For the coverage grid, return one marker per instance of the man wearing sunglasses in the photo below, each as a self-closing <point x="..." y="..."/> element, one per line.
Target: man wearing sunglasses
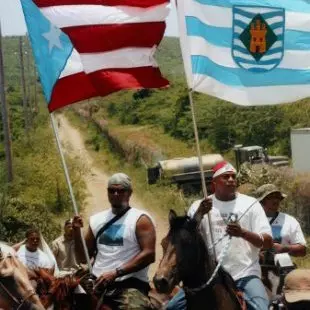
<point x="122" y="251"/>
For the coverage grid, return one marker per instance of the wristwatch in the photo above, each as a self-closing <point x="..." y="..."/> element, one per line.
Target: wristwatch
<point x="119" y="272"/>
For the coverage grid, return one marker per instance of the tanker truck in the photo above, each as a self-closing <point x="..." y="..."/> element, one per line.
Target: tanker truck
<point x="185" y="171"/>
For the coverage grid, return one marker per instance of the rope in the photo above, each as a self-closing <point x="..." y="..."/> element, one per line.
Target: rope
<point x="225" y="235"/>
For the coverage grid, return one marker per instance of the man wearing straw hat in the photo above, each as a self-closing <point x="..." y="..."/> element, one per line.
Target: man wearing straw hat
<point x="286" y="231"/>
<point x="243" y="218"/>
<point x="121" y="240"/>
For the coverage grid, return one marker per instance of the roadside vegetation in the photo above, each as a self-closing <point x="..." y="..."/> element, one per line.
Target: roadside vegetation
<point x="38" y="195"/>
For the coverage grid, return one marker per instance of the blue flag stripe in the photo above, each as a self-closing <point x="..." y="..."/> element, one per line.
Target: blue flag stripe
<point x="221" y="36"/>
<point x="289" y="5"/>
<point x="239" y="77"/>
<point x="50" y="63"/>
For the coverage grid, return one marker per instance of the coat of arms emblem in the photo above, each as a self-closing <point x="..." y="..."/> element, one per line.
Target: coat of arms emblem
<point x="258" y="37"/>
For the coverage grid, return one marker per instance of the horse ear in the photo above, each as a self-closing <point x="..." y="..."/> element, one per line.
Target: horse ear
<point x="172" y="216"/>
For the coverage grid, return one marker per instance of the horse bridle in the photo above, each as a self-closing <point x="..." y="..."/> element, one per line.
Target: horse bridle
<point x="18" y="301"/>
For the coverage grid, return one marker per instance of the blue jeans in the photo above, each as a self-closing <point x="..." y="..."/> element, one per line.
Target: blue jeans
<point x="254" y="294"/>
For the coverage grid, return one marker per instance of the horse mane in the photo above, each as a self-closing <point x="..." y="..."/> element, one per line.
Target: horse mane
<point x="57" y="291"/>
<point x="185" y="236"/>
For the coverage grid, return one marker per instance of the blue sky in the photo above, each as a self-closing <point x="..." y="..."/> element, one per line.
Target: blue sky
<point x="12" y="20"/>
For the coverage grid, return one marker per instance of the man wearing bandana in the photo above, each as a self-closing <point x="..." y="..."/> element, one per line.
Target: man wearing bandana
<point x="243" y="218"/>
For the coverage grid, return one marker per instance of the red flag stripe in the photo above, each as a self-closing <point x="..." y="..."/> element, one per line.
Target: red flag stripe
<point x="71" y="89"/>
<point x="91" y="39"/>
<point x="102" y="83"/>
<point x="136" y="3"/>
<point x="111" y="80"/>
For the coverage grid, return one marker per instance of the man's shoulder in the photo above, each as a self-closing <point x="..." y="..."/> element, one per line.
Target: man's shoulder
<point x="246" y="200"/>
<point x="98" y="217"/>
<point x="193" y="207"/>
<point x="287" y="218"/>
<point x="58" y="240"/>
<point x="100" y="214"/>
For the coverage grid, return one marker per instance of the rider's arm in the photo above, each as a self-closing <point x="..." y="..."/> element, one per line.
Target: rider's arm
<point x="292" y="249"/>
<point x="146" y="237"/>
<point x="263" y="241"/>
<point x="89" y="240"/>
<point x="257" y="230"/>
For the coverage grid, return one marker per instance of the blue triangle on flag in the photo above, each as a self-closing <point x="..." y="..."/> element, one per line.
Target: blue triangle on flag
<point x="51" y="46"/>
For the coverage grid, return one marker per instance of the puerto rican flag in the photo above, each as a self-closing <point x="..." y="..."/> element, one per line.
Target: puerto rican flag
<point x="87" y="48"/>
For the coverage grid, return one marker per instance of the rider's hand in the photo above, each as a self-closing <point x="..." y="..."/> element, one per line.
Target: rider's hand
<point x="234" y="229"/>
<point x="105" y="279"/>
<point x="77" y="222"/>
<point x="279" y="248"/>
<point x="206" y="205"/>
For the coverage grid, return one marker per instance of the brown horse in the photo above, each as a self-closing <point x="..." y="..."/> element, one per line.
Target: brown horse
<point x="57" y="291"/>
<point x="16" y="291"/>
<point x="186" y="259"/>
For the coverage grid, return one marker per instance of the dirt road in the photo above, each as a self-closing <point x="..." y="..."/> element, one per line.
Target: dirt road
<point x="96" y="182"/>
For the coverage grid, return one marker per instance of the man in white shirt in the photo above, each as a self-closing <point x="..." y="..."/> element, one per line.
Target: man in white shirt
<point x="243" y="218"/>
<point x="30" y="254"/>
<point x="125" y="248"/>
<point x="286" y="231"/>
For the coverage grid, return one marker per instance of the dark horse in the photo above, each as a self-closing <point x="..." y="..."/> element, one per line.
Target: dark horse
<point x="186" y="259"/>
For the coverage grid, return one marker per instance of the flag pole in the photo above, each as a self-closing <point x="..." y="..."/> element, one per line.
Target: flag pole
<point x="75" y="208"/>
<point x="202" y="175"/>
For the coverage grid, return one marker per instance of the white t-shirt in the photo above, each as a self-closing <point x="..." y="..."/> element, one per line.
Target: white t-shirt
<point x="118" y="243"/>
<point x="33" y="260"/>
<point x="286" y="230"/>
<point x="242" y="258"/>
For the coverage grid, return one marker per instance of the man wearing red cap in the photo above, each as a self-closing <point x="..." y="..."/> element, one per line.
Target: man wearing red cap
<point x="243" y="218"/>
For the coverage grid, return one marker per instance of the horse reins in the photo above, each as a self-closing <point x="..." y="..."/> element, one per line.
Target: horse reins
<point x="18" y="302"/>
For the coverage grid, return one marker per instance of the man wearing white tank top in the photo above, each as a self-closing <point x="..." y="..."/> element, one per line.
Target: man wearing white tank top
<point x="124" y="250"/>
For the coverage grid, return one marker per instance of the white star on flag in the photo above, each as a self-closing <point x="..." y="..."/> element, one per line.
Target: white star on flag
<point x="53" y="38"/>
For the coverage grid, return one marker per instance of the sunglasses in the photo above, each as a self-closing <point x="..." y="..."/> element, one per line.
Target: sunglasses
<point x="116" y="190"/>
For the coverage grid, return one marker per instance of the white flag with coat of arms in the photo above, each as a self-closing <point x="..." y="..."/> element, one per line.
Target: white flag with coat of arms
<point x="249" y="52"/>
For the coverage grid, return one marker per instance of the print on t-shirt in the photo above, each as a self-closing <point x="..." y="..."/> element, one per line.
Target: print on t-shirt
<point x="113" y="236"/>
<point x="276" y="233"/>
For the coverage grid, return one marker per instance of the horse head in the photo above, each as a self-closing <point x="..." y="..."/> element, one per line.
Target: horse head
<point x="184" y="255"/>
<point x="16" y="291"/>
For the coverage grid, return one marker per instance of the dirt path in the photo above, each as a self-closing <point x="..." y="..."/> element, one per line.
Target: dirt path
<point x="96" y="182"/>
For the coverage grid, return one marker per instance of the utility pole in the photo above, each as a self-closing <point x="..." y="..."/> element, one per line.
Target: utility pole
<point x="28" y="82"/>
<point x="35" y="103"/>
<point x="5" y="118"/>
<point x="21" y="57"/>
